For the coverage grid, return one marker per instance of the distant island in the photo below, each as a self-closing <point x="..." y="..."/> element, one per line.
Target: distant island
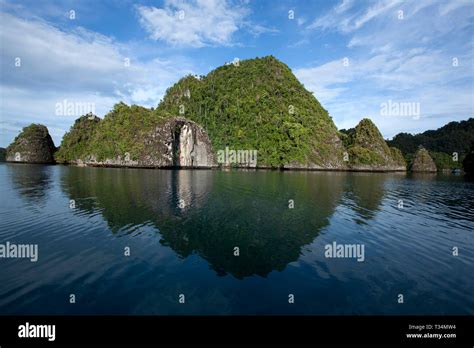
<point x="455" y="139"/>
<point x="255" y="106"/>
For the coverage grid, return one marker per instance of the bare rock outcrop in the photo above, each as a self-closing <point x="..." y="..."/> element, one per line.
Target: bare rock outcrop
<point x="186" y="144"/>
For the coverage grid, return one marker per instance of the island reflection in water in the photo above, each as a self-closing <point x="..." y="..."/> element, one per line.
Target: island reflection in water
<point x="183" y="228"/>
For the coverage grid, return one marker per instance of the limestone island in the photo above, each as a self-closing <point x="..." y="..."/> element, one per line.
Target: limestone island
<point x="257" y="106"/>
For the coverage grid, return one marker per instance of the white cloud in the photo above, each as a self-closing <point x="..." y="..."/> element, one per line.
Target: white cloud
<point x="421" y="76"/>
<point x="324" y="80"/>
<point x="195" y="23"/>
<point x="144" y="94"/>
<point x="403" y="60"/>
<point x="21" y="107"/>
<point x="78" y="66"/>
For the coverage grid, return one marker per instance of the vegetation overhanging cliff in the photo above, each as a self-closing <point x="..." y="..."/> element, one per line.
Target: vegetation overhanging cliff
<point x="255" y="105"/>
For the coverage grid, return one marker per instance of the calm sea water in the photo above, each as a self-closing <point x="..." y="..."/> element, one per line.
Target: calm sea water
<point x="182" y="227"/>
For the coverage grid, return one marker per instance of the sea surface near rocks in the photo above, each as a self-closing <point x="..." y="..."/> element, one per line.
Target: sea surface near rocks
<point x="182" y="227"/>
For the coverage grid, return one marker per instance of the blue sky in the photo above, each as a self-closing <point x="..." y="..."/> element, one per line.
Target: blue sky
<point x="356" y="56"/>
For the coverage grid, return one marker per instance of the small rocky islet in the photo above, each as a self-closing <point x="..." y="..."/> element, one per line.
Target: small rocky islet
<point x="32" y="145"/>
<point x="255" y="105"/>
<point x="423" y="163"/>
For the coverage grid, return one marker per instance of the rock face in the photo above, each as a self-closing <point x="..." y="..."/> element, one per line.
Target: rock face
<point x="32" y="145"/>
<point x="192" y="145"/>
<point x="423" y="163"/>
<point x="367" y="150"/>
<point x="178" y="142"/>
<point x="259" y="104"/>
<point x="175" y="142"/>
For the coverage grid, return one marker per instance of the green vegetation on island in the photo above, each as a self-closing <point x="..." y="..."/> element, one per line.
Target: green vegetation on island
<point x="447" y="145"/>
<point x="256" y="104"/>
<point x="32" y="145"/>
<point x="366" y="147"/>
<point x="120" y="132"/>
<point x="76" y="142"/>
<point x="422" y="162"/>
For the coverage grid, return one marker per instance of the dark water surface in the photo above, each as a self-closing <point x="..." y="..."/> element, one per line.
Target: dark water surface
<point x="182" y="226"/>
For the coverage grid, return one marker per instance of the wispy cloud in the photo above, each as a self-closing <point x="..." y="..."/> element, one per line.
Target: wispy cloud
<point x="340" y="18"/>
<point x="343" y="6"/>
<point x="258" y="29"/>
<point x="417" y="55"/>
<point x="446" y="7"/>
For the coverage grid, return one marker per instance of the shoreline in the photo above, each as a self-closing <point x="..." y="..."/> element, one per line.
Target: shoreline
<point x="282" y="169"/>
